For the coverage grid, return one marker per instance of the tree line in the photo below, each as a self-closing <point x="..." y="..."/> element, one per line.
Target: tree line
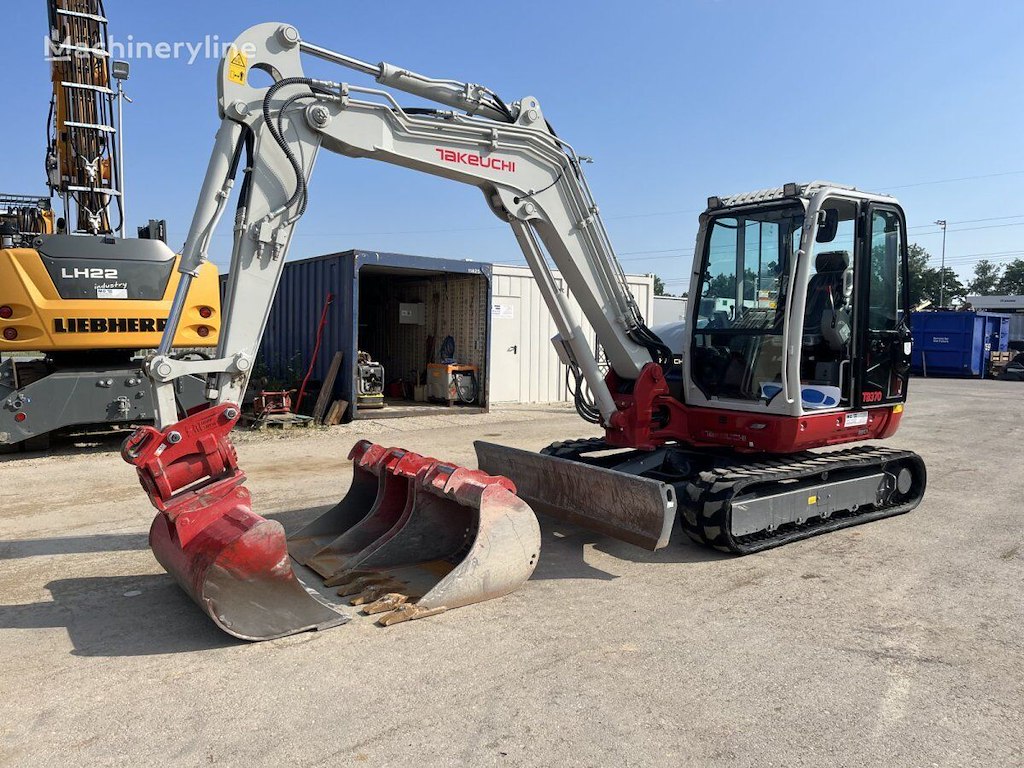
<point x="989" y="279"/>
<point x="925" y="281"/>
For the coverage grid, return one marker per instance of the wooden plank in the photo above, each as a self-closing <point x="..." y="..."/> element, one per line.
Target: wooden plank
<point x="327" y="389"/>
<point x="336" y="413"/>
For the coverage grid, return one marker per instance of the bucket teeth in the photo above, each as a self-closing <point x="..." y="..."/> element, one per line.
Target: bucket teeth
<point x="360" y="584"/>
<point x="376" y="592"/>
<point x="389" y="602"/>
<point x="408" y="612"/>
<point x="352" y="580"/>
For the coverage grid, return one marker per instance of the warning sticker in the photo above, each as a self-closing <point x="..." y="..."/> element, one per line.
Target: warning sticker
<point x="858" y="419"/>
<point x="238" y="64"/>
<point x="503" y="311"/>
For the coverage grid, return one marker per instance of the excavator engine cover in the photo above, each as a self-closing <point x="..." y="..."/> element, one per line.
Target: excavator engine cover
<point x="413" y="537"/>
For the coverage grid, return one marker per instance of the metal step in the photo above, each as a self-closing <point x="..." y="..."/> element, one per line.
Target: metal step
<point x="90" y="126"/>
<point x="98" y="190"/>
<point x="82" y="49"/>
<point x="84" y="86"/>
<point x="80" y="15"/>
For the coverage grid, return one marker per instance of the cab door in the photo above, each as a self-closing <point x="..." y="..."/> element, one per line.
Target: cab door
<point x="883" y="336"/>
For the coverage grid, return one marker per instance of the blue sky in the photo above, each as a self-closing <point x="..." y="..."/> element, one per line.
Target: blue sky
<point x="675" y="102"/>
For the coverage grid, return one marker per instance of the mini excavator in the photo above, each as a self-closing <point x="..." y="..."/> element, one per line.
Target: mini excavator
<point x="797" y="340"/>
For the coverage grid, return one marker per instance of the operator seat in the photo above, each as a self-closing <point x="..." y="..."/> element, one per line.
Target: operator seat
<point x="824" y="293"/>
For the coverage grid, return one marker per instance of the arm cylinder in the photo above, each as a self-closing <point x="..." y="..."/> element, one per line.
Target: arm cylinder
<point x="465" y="96"/>
<point x="213" y="196"/>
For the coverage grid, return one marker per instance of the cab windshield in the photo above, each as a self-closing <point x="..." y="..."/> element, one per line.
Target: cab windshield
<point x="738" y="319"/>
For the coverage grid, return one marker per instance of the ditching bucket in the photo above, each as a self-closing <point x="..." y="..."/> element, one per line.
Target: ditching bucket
<point x="413" y="537"/>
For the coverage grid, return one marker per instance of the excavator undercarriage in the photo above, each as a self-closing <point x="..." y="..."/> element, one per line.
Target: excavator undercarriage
<point x="733" y="503"/>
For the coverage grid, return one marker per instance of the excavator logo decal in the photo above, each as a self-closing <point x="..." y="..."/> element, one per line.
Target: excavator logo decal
<point x="109" y="324"/>
<point x="478" y="161"/>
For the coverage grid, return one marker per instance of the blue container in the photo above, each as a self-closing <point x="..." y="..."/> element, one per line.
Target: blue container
<point x="290" y="336"/>
<point x="956" y="343"/>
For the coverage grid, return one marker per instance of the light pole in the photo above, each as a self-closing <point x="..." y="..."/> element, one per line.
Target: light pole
<point x="119" y="71"/>
<point x="942" y="272"/>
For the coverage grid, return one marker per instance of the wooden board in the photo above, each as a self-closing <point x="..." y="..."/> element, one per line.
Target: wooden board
<point x="276" y="421"/>
<point x="327" y="389"/>
<point x="336" y="413"/>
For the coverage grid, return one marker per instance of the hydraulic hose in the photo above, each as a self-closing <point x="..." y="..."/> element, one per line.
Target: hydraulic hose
<point x="300" y="195"/>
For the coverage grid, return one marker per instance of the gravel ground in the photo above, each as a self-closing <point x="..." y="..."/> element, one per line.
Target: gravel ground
<point x="897" y="643"/>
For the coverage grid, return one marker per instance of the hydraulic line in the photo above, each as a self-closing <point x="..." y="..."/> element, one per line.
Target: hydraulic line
<point x="300" y="195"/>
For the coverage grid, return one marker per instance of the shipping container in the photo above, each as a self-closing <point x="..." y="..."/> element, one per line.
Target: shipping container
<point x="525" y="367"/>
<point x="956" y="343"/>
<point x="668" y="309"/>
<point x="398" y="308"/>
<point x="1014" y="305"/>
<point x="1017" y="331"/>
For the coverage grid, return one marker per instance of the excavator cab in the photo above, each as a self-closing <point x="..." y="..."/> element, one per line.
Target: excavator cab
<point x="796" y="339"/>
<point x="802" y="289"/>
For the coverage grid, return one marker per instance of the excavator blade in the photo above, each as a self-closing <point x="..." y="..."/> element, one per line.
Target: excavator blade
<point x="413" y="536"/>
<point x="624" y="506"/>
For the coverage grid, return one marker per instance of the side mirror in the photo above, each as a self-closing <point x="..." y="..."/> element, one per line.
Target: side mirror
<point x="828" y="225"/>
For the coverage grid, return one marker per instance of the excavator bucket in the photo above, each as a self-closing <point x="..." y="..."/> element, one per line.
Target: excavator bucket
<point x="413" y="536"/>
<point x="234" y="565"/>
<point x="433" y="536"/>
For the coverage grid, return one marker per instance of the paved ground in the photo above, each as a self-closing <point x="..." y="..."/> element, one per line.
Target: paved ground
<point x="896" y="643"/>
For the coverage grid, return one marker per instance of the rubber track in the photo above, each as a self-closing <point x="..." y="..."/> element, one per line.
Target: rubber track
<point x="706" y="509"/>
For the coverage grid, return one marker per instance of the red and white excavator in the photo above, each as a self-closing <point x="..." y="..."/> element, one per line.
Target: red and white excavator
<point x="796" y="340"/>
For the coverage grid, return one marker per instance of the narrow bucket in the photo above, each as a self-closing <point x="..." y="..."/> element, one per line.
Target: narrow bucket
<point x="234" y="565"/>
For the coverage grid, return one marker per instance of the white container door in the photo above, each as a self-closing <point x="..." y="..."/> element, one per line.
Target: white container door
<point x="506" y="350"/>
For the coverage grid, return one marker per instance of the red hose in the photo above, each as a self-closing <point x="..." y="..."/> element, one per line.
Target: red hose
<point x="316" y="350"/>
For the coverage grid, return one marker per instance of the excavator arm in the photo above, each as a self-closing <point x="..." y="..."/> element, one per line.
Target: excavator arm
<point x="530" y="178"/>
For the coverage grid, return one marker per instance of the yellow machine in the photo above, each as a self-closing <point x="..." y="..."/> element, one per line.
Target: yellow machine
<point x="78" y="302"/>
<point x="67" y="296"/>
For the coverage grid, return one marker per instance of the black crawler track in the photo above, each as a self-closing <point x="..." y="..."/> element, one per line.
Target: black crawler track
<point x="707" y="482"/>
<point x="706" y="506"/>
